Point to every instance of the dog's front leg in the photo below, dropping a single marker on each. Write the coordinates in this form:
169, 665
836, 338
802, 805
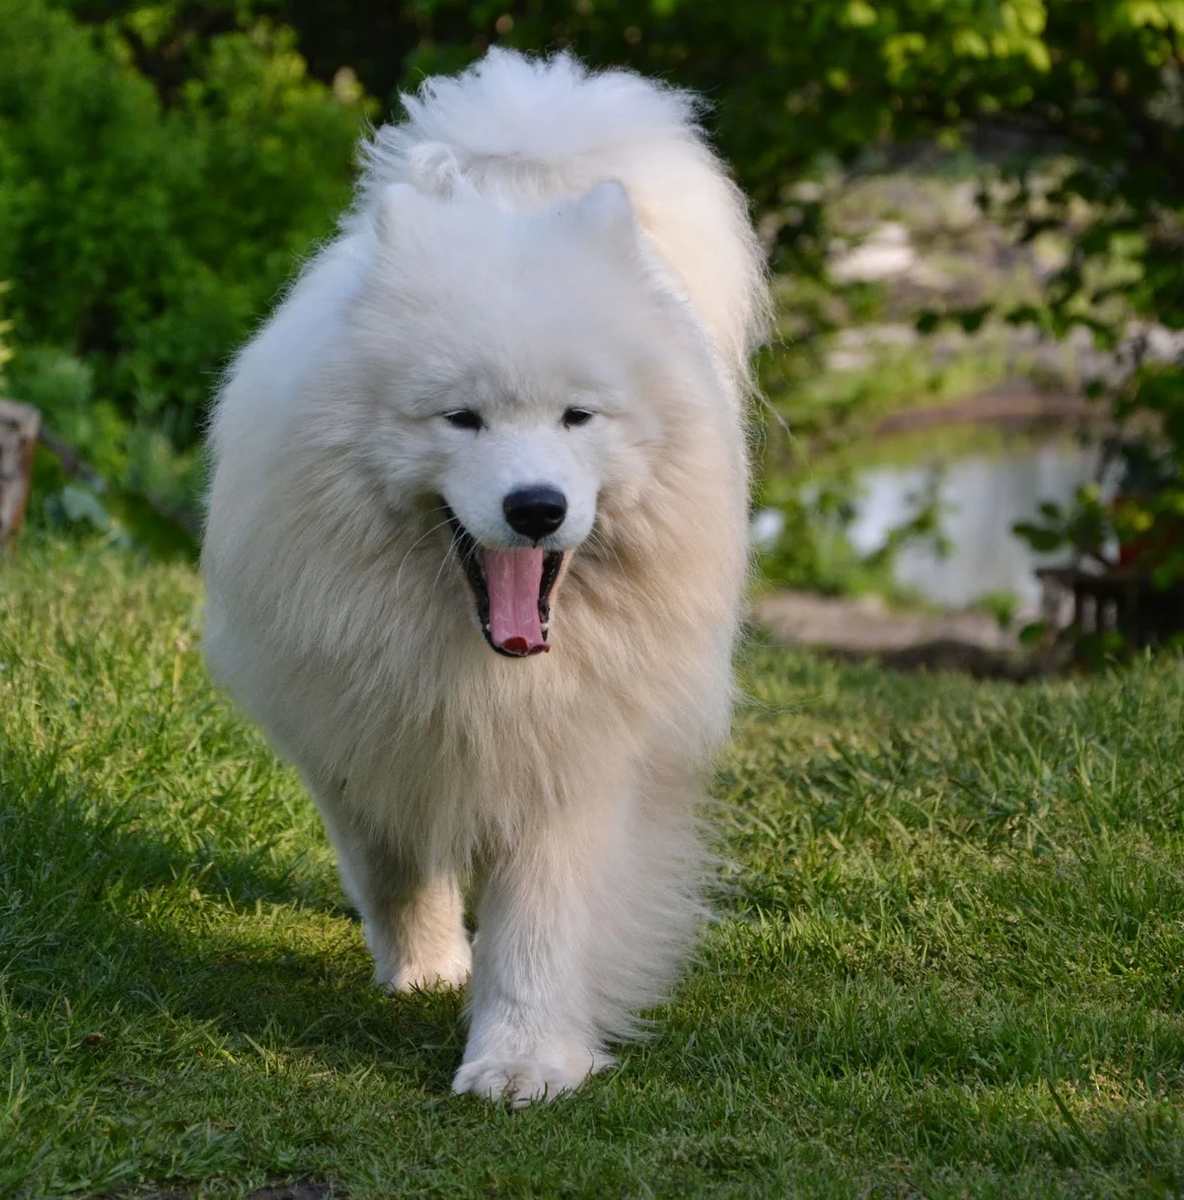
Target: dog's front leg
531, 1036
413, 917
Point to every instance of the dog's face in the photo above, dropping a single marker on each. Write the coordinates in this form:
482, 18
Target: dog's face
509, 355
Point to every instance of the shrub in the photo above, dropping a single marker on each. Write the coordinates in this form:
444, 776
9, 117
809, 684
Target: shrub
144, 239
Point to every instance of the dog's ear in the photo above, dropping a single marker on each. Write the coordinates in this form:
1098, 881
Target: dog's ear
606, 210
400, 213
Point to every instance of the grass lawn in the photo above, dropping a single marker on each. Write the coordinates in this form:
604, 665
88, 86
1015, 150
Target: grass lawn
951, 961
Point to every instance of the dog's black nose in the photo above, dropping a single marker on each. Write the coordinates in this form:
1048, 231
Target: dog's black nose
535, 512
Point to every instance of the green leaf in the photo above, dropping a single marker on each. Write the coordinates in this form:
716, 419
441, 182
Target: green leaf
80, 504
1042, 540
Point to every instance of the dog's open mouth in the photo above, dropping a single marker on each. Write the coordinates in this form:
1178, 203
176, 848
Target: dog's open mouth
512, 589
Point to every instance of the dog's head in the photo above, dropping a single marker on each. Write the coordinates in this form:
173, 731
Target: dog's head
509, 357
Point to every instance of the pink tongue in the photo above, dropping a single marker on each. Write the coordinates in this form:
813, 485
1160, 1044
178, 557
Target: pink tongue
513, 578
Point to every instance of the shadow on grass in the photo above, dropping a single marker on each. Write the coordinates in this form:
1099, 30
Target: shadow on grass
98, 918
124, 954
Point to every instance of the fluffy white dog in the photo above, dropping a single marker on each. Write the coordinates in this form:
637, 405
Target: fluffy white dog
502, 413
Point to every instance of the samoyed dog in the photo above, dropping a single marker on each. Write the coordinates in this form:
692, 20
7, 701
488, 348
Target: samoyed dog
476, 545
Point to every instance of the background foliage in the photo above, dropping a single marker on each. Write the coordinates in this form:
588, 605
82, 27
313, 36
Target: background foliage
163, 165
142, 233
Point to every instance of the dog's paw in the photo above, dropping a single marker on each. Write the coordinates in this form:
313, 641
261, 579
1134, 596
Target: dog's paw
518, 1082
449, 972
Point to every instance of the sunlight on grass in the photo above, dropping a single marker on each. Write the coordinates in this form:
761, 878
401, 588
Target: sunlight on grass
949, 957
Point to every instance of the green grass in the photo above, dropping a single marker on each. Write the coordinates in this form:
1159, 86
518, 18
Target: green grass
951, 960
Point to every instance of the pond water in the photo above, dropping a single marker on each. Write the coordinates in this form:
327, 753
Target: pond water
982, 496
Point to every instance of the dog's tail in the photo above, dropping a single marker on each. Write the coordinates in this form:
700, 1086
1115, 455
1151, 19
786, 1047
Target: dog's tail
522, 132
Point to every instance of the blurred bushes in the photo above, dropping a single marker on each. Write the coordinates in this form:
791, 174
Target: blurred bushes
142, 240
163, 165
201, 155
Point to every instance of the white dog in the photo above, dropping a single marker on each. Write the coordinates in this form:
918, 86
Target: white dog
503, 413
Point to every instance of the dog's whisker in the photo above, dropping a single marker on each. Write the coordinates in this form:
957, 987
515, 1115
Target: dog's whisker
440, 569
598, 538
423, 537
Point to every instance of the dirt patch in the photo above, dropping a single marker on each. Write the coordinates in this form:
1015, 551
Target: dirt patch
865, 628
302, 1189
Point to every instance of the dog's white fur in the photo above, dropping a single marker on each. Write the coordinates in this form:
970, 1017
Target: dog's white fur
483, 267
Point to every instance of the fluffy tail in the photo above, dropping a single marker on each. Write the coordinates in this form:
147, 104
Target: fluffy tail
523, 132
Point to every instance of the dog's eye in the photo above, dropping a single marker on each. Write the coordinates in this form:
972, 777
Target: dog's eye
576, 416
464, 418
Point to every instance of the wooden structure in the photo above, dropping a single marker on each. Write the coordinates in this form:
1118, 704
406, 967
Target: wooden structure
1121, 601
19, 426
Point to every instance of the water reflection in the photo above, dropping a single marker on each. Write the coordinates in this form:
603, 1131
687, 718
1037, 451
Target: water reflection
981, 498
